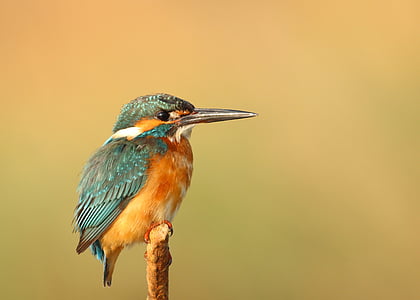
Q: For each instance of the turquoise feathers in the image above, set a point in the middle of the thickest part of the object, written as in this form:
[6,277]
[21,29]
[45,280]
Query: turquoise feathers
[111,177]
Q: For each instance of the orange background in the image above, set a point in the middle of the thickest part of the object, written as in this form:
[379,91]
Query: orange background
[317,198]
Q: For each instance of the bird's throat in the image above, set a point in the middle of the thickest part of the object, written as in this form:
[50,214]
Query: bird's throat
[183,131]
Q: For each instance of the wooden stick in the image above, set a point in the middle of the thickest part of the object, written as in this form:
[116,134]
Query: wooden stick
[158,261]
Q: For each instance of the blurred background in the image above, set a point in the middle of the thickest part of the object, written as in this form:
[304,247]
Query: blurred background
[317,198]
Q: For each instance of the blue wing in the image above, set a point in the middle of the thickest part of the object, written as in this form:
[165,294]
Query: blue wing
[110,179]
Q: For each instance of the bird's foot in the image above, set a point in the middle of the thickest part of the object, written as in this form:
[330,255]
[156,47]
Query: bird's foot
[153,225]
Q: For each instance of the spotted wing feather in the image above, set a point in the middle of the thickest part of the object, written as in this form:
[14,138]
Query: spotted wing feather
[110,179]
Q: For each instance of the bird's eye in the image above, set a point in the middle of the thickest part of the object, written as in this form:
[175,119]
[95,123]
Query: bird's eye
[163,115]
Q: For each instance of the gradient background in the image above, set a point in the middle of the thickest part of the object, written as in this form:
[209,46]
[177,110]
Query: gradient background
[317,198]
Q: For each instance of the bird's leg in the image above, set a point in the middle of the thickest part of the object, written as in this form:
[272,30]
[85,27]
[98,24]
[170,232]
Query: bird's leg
[153,225]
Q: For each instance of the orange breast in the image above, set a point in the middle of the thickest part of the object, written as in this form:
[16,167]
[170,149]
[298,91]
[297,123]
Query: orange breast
[168,179]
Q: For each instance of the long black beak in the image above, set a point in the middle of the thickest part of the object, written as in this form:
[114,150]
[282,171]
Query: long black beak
[209,115]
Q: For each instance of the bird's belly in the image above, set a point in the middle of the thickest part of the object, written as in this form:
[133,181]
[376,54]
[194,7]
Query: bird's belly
[168,179]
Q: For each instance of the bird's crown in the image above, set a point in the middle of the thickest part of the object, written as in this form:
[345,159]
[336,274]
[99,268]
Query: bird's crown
[157,106]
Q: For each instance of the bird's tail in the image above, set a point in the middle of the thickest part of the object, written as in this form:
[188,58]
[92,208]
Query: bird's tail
[109,265]
[97,250]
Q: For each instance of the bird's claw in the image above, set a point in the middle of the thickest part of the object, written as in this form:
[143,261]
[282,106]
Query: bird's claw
[153,225]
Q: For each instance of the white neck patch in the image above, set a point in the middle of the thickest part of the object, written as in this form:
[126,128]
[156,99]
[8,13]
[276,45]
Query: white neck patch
[132,132]
[129,133]
[183,131]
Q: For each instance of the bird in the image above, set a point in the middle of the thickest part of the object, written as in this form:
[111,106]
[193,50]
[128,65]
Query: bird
[140,175]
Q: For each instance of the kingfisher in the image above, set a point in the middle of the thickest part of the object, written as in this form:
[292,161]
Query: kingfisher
[140,175]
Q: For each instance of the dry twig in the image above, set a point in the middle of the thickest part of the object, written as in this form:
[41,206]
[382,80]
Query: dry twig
[158,260]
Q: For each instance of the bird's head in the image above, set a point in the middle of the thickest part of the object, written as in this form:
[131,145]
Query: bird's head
[163,115]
